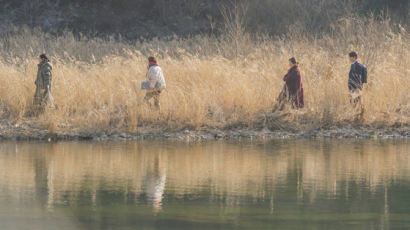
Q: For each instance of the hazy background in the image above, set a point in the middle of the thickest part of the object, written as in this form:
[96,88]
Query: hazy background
[149,18]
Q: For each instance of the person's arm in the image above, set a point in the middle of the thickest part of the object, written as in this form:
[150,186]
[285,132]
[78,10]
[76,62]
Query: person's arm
[162,79]
[355,78]
[47,77]
[155,73]
[287,76]
[149,74]
[349,80]
[292,76]
[364,75]
[152,77]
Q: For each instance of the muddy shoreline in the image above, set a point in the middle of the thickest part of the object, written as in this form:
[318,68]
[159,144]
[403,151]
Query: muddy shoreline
[16,132]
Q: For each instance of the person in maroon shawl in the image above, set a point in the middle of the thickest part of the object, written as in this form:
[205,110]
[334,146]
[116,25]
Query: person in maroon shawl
[293,90]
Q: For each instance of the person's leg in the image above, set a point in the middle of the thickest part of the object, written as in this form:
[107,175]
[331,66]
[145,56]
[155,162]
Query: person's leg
[156,95]
[358,108]
[156,101]
[39,102]
[354,100]
[48,100]
[282,100]
[148,97]
[357,101]
[293,101]
[37,97]
[361,108]
[44,101]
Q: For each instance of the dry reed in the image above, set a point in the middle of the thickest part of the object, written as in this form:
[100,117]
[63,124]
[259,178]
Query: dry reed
[210,83]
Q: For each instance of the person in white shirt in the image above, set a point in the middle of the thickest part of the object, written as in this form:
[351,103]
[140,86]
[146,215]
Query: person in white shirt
[156,80]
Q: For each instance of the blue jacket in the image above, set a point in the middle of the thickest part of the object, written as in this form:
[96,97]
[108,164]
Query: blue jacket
[357,76]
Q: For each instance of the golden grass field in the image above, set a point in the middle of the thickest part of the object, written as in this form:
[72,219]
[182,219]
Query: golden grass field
[215,82]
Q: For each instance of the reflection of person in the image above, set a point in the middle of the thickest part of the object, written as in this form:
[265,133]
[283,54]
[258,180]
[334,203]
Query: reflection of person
[357,77]
[155,191]
[42,96]
[156,80]
[155,185]
[293,90]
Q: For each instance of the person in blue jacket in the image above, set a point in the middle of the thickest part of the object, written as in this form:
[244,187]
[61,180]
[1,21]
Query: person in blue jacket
[357,77]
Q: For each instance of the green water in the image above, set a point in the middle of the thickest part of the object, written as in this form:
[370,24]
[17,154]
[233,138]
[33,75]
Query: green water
[299,184]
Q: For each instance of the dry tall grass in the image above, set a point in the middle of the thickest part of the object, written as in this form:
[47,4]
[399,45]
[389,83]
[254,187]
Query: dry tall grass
[210,83]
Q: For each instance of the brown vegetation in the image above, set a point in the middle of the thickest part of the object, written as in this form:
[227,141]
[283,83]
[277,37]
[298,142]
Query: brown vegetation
[222,82]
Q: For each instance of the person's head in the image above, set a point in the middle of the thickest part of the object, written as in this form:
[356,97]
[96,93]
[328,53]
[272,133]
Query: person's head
[293,62]
[152,60]
[352,56]
[43,57]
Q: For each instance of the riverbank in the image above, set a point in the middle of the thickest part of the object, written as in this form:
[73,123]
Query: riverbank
[29,131]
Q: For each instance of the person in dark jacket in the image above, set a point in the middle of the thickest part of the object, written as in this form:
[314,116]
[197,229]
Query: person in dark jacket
[42,96]
[357,77]
[293,89]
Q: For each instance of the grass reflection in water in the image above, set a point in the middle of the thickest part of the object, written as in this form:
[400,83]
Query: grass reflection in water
[216,185]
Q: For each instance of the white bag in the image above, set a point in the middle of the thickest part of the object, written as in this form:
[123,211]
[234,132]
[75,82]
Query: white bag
[146,85]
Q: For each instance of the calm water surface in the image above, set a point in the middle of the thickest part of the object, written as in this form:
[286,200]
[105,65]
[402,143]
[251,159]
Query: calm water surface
[217,185]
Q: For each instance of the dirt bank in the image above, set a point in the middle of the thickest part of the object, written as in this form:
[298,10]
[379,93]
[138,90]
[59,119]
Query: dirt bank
[27,131]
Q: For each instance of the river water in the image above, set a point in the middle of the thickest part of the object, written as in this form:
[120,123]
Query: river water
[293,184]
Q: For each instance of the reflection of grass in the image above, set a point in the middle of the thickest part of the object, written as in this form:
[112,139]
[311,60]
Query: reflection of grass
[250,213]
[123,215]
[205,215]
[242,170]
[400,217]
[291,184]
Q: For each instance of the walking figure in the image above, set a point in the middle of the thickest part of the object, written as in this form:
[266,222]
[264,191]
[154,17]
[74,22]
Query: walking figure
[293,89]
[357,77]
[42,96]
[155,83]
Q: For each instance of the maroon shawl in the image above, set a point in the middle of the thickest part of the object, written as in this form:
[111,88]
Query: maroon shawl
[293,89]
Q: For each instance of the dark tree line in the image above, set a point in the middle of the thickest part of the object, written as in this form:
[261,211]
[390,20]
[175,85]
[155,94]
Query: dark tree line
[149,18]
